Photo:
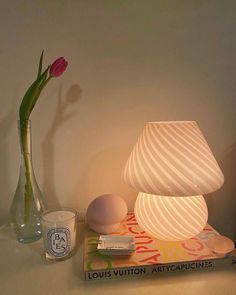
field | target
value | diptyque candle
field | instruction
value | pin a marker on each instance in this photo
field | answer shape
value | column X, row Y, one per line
column 59, row 233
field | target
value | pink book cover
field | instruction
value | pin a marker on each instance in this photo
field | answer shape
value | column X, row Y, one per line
column 151, row 256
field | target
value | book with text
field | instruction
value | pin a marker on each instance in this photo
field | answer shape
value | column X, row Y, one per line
column 151, row 256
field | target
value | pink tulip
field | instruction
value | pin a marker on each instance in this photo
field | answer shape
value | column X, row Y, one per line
column 58, row 67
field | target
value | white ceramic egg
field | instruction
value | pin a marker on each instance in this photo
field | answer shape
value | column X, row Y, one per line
column 105, row 213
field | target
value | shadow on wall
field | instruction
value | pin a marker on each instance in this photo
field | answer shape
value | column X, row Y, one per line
column 6, row 123
column 62, row 115
column 222, row 204
column 103, row 175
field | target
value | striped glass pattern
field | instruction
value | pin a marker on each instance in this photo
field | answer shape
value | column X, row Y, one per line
column 173, row 159
column 171, row 218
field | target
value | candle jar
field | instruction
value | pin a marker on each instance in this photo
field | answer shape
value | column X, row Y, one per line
column 59, row 233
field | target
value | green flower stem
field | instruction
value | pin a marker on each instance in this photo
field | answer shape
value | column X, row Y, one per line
column 45, row 82
column 24, row 135
column 27, row 161
column 28, row 190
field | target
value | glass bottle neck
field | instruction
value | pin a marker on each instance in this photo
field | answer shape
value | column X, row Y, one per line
column 24, row 130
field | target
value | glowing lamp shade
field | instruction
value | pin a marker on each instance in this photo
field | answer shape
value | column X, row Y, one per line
column 171, row 166
column 171, row 218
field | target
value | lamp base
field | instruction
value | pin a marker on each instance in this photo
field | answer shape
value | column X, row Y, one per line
column 171, row 218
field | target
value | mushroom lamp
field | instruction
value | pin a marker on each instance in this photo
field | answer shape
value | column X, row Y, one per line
column 172, row 166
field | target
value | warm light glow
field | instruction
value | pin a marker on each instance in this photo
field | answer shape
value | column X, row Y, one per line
column 172, row 166
column 171, row 218
column 173, row 159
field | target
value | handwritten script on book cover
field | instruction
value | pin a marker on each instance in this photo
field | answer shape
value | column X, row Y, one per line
column 150, row 251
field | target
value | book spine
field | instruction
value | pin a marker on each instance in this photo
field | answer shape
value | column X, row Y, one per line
column 141, row 271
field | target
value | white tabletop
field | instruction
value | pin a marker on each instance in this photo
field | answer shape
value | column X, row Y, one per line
column 24, row 271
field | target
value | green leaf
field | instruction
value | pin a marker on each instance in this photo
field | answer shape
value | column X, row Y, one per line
column 40, row 65
column 40, row 88
column 31, row 96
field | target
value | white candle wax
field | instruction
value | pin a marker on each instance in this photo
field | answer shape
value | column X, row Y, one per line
column 59, row 233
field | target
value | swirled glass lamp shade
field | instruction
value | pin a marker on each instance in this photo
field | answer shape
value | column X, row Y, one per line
column 173, row 166
column 171, row 218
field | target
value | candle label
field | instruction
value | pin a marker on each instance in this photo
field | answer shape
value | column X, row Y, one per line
column 59, row 241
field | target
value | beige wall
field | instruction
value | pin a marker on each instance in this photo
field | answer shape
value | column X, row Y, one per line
column 129, row 62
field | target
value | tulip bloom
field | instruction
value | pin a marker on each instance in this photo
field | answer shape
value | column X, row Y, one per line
column 43, row 77
column 58, row 67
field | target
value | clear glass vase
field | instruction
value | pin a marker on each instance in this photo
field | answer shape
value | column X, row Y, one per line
column 28, row 204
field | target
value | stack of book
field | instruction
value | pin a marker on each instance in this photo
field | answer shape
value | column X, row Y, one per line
column 151, row 256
